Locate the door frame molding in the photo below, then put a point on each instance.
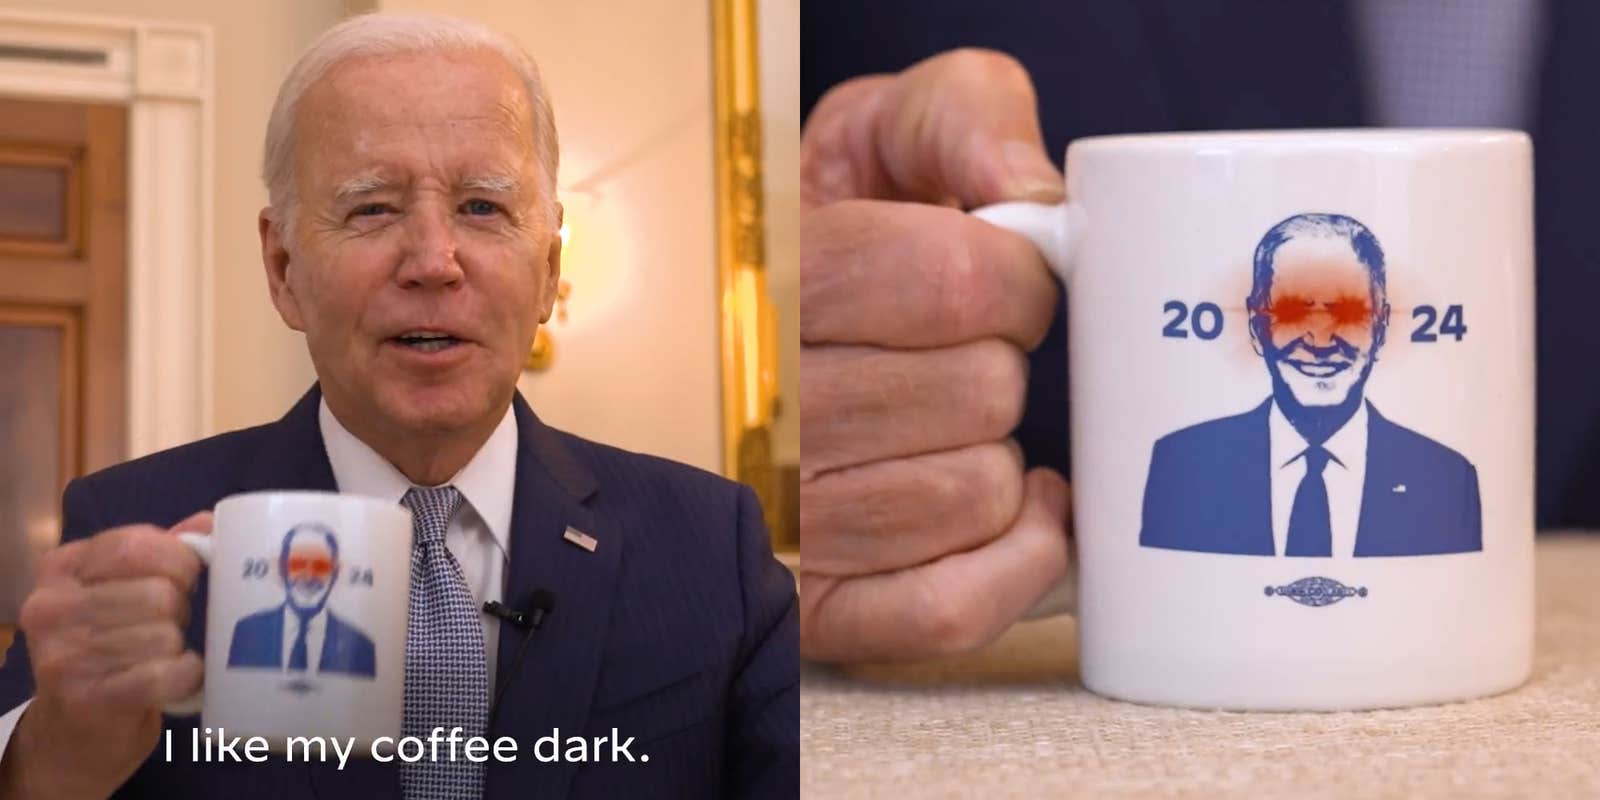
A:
(163, 72)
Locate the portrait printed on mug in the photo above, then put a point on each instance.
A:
(301, 634)
(1314, 469)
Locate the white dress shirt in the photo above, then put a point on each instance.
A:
(479, 535)
(1343, 476)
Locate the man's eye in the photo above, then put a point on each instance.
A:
(369, 210)
(480, 207)
(1290, 309)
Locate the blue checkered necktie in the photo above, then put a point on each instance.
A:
(447, 671)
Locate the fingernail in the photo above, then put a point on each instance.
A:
(826, 179)
(1029, 175)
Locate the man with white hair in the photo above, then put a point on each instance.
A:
(411, 165)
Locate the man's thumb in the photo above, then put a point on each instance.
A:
(961, 127)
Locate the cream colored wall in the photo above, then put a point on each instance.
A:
(636, 363)
(261, 367)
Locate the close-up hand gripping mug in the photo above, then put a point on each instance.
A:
(307, 597)
(1302, 410)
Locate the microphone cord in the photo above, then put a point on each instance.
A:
(522, 649)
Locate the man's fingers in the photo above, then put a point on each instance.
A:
(962, 126)
(198, 522)
(124, 647)
(128, 601)
(908, 275)
(839, 157)
(138, 551)
(957, 603)
(151, 684)
(863, 404)
(893, 514)
(60, 564)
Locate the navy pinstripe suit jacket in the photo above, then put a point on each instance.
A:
(680, 629)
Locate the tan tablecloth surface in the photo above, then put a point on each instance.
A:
(1013, 721)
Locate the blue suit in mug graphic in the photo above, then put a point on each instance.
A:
(1315, 469)
(302, 632)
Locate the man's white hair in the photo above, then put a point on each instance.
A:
(386, 34)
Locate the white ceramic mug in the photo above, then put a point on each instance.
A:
(306, 615)
(1302, 413)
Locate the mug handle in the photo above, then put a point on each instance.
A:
(1053, 229)
(189, 706)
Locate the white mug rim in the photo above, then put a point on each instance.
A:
(1303, 138)
(377, 504)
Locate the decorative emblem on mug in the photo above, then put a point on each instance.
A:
(302, 630)
(1315, 465)
(1317, 591)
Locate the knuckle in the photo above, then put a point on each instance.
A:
(997, 379)
(164, 599)
(118, 546)
(51, 665)
(950, 622)
(989, 489)
(987, 66)
(79, 699)
(57, 560)
(959, 285)
(139, 682)
(45, 609)
(34, 615)
(167, 641)
(945, 489)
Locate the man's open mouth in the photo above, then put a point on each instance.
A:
(1319, 369)
(426, 341)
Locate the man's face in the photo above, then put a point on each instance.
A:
(309, 569)
(423, 258)
(1319, 329)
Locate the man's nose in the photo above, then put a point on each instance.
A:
(429, 258)
(1319, 332)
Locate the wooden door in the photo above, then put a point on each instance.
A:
(63, 318)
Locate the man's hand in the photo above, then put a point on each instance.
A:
(104, 626)
(920, 534)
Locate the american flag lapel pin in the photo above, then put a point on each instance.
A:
(580, 538)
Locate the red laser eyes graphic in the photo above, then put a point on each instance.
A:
(1292, 310)
(314, 566)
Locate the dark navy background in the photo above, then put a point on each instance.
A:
(1119, 66)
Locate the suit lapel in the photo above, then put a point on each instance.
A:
(293, 457)
(1372, 526)
(552, 687)
(1259, 483)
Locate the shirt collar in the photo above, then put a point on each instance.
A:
(1345, 445)
(292, 619)
(487, 482)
